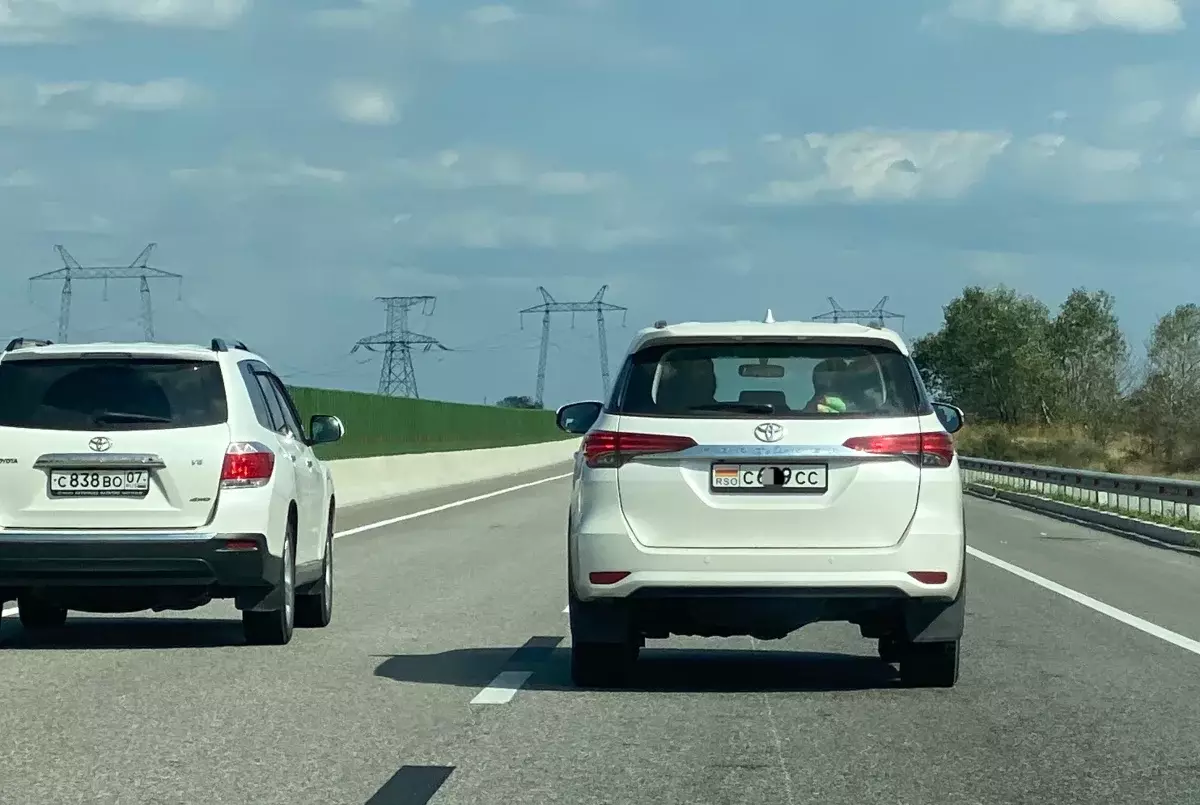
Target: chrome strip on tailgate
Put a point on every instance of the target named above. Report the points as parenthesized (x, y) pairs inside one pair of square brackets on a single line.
[(788, 452), (97, 461)]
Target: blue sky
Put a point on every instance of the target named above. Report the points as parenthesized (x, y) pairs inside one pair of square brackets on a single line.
[(703, 159)]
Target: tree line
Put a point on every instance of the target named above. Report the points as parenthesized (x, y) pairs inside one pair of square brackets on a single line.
[(1005, 358)]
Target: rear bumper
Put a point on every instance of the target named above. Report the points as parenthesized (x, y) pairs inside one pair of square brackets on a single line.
[(98, 560), (875, 573)]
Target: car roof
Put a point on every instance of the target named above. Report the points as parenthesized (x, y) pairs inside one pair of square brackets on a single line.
[(130, 347), (767, 329)]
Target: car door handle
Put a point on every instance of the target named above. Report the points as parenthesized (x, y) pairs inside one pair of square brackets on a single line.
[(308, 462)]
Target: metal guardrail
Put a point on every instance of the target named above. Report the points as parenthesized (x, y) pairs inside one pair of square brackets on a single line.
[(1116, 499)]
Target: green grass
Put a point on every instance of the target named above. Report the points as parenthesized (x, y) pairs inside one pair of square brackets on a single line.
[(381, 426)]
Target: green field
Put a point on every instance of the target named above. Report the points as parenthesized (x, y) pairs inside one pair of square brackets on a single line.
[(381, 426)]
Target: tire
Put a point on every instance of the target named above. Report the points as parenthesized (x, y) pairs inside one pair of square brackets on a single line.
[(36, 613), (274, 628), (314, 609), (930, 665), (602, 665)]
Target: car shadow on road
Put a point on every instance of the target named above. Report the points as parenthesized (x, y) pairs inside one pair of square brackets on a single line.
[(83, 633), (658, 670)]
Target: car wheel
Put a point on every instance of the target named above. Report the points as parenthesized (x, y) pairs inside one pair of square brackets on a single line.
[(37, 613), (602, 665), (275, 627), (930, 665), (314, 610)]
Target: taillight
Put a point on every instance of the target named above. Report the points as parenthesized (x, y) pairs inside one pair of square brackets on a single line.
[(609, 449), (247, 464), (928, 449)]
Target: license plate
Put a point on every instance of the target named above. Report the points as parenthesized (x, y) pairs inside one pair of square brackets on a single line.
[(770, 477), (99, 483)]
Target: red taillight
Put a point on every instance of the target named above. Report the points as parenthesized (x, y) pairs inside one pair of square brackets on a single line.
[(240, 545), (930, 576), (605, 448), (247, 464), (931, 449), (607, 576)]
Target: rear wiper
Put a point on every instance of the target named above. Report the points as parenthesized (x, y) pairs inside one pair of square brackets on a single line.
[(743, 407), (126, 416)]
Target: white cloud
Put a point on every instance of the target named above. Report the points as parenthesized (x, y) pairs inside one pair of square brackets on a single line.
[(875, 165), (252, 172), (710, 156), (492, 15), (489, 229), (490, 168), (366, 15), (60, 20), (1073, 16), (364, 104), (81, 104)]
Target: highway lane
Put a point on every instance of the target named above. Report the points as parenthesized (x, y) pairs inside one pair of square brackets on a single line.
[(1057, 702)]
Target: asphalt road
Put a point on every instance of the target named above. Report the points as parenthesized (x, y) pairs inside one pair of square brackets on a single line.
[(1058, 703)]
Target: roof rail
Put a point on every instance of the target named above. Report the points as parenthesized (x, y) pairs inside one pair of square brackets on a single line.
[(18, 343), (221, 345)]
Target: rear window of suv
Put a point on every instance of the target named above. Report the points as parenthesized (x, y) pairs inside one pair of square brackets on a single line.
[(799, 380), (106, 394)]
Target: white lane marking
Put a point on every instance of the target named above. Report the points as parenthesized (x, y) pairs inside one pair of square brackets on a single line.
[(1152, 629), (452, 505), (413, 515), (502, 689)]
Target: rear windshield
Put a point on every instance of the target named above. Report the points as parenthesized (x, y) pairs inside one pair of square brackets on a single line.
[(781, 380), (105, 394)]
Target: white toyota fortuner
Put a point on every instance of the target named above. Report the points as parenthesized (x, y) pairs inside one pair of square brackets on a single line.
[(749, 478)]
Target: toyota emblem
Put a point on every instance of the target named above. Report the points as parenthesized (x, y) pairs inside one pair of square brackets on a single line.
[(100, 443), (769, 432)]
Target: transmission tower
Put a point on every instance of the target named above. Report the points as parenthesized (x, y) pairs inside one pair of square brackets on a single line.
[(138, 270), (550, 306), (876, 316), (397, 377)]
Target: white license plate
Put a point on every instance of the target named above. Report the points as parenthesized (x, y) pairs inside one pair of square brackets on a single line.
[(99, 483), (770, 477)]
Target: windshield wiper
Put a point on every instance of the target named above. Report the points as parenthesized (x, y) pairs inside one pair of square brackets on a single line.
[(126, 416), (743, 407)]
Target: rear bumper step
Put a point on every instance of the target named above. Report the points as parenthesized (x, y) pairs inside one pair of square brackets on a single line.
[(56, 560)]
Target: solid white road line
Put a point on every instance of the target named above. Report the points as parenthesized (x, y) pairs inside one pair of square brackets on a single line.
[(452, 505), (413, 515), (1152, 629), (502, 689)]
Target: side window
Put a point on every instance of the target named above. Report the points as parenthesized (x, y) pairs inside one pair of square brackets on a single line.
[(278, 422), (258, 400), (290, 416)]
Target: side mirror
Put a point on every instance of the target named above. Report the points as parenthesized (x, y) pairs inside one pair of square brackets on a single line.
[(578, 417), (324, 429), (952, 416)]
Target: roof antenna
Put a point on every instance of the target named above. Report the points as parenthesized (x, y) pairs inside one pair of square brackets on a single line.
[(770, 319)]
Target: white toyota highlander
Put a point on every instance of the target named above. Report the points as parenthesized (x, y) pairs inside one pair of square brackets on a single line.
[(749, 478), (154, 476)]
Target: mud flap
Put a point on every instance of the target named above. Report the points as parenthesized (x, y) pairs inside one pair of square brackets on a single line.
[(263, 599), (936, 621)]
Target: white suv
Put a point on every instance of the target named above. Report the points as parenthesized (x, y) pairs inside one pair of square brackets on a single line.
[(749, 478), (153, 476)]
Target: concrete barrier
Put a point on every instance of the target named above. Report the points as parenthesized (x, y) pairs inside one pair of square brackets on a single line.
[(362, 480)]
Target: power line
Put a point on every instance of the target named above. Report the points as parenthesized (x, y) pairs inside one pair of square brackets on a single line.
[(877, 315), (138, 270), (397, 376), (550, 306)]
